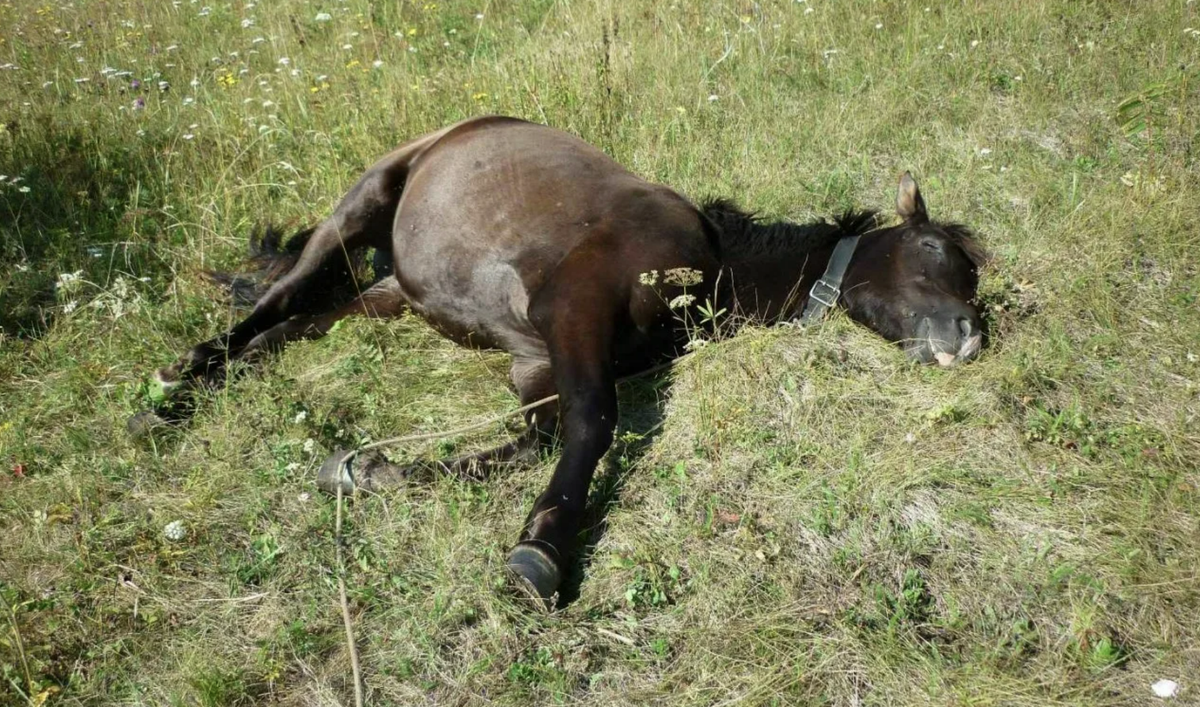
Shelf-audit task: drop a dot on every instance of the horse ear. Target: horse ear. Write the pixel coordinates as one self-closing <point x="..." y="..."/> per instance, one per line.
<point x="909" y="204"/>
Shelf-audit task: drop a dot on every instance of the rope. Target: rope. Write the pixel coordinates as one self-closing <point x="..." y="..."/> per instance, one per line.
<point x="341" y="561"/>
<point x="345" y="464"/>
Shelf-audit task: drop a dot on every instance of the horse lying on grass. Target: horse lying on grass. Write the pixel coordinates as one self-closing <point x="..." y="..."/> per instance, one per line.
<point x="510" y="235"/>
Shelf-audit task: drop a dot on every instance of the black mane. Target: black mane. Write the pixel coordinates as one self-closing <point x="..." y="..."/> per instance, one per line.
<point x="743" y="235"/>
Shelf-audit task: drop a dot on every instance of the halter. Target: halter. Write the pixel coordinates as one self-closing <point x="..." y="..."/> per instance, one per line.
<point x="826" y="291"/>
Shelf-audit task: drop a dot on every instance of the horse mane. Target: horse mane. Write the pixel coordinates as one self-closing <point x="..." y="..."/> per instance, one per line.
<point x="743" y="234"/>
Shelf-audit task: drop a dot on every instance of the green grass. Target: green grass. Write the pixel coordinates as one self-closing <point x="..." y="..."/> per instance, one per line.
<point x="817" y="522"/>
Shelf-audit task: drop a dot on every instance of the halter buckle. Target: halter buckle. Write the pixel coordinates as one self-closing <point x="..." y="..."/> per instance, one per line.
<point x="825" y="293"/>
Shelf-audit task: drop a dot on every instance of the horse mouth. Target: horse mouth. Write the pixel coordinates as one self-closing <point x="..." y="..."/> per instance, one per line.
<point x="970" y="347"/>
<point x="931" y="350"/>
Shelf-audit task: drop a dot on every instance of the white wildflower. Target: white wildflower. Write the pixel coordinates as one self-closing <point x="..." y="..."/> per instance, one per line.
<point x="684" y="277"/>
<point x="681" y="301"/>
<point x="174" y="531"/>
<point x="68" y="280"/>
<point x="310" y="446"/>
<point x="1165" y="688"/>
<point x="377" y="63"/>
<point x="649" y="278"/>
<point x="247" y="23"/>
<point x="284" y="61"/>
<point x="323" y="17"/>
<point x="300" y="417"/>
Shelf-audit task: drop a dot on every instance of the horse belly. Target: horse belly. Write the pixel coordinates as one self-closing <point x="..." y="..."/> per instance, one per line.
<point x="473" y="298"/>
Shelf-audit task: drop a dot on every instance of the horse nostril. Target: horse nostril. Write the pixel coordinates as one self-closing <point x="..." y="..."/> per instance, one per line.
<point x="964" y="326"/>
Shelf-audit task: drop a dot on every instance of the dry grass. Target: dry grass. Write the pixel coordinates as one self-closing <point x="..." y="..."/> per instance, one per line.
<point x="816" y="521"/>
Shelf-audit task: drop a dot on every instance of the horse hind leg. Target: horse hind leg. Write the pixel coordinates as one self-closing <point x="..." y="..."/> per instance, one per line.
<point x="383" y="300"/>
<point x="363" y="218"/>
<point x="534" y="381"/>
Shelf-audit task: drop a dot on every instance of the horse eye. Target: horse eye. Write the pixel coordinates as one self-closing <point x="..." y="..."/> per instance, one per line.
<point x="931" y="244"/>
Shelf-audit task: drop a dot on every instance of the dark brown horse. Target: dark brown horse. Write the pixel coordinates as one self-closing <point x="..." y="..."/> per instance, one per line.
<point x="510" y="235"/>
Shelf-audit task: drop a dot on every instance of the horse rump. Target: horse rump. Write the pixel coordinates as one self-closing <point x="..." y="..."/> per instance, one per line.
<point x="272" y="256"/>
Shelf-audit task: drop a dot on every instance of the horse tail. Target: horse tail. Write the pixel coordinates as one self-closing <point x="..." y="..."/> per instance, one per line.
<point x="271" y="257"/>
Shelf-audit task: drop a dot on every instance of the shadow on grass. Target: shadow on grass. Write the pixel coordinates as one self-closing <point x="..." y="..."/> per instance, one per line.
<point x="642" y="414"/>
<point x="69" y="203"/>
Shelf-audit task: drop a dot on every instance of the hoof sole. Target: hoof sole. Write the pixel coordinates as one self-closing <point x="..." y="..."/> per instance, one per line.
<point x="337" y="469"/>
<point x="534" y="573"/>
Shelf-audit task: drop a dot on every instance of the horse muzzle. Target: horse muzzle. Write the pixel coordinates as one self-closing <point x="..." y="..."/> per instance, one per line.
<point x="946" y="343"/>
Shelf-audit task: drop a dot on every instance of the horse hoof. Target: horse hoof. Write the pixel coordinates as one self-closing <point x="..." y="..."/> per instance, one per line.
<point x="534" y="573"/>
<point x="337" y="469"/>
<point x="144" y="423"/>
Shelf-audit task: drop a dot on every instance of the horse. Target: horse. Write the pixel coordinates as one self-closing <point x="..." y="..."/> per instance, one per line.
<point x="505" y="234"/>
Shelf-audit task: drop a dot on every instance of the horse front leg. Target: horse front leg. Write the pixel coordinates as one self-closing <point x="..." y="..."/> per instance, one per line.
<point x="578" y="320"/>
<point x="372" y="472"/>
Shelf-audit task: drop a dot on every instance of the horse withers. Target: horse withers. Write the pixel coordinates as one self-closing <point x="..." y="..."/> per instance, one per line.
<point x="511" y="235"/>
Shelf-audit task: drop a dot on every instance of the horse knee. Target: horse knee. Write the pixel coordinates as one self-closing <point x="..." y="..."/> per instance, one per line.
<point x="589" y="424"/>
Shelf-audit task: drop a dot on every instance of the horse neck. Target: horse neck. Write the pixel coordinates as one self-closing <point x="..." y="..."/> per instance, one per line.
<point x="773" y="287"/>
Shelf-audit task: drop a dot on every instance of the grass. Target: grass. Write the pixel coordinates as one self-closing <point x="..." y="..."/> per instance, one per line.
<point x="817" y="521"/>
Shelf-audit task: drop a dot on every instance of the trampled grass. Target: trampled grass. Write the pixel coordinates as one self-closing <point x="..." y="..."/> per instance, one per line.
<point x="815" y="522"/>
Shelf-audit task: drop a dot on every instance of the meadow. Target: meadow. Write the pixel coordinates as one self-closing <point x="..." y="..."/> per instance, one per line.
<point x="790" y="517"/>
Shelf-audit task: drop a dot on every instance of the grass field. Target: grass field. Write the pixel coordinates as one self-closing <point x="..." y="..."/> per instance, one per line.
<point x="816" y="522"/>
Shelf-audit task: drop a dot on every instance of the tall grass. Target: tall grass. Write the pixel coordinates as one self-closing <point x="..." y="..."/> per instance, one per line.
<point x="817" y="522"/>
